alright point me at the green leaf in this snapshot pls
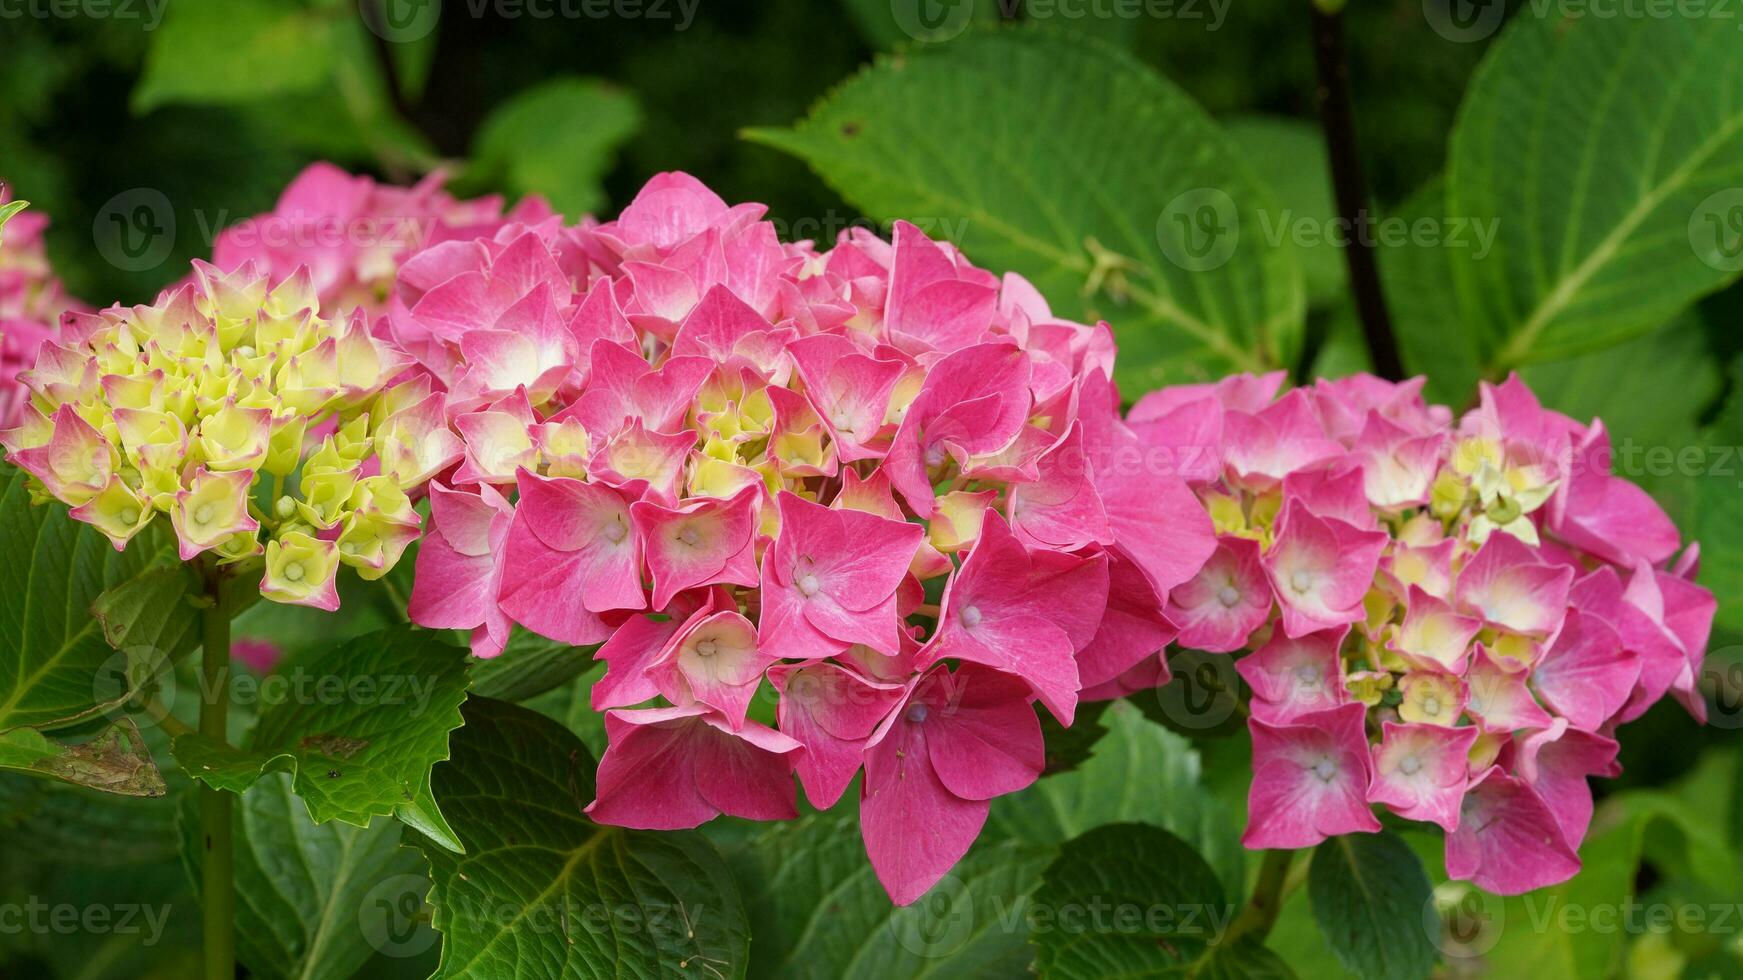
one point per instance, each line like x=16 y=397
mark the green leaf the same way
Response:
x=306 y=894
x=116 y=761
x=1369 y=894
x=529 y=666
x=1416 y=274
x=1608 y=149
x=52 y=648
x=1718 y=515
x=1068 y=748
x=986 y=141
x=1290 y=157
x=1126 y=900
x=583 y=900
x=1651 y=393
x=558 y=139
x=152 y=611
x=228 y=51
x=817 y=910
x=1533 y=935
x=1141 y=771
x=423 y=816
x=1243 y=959
x=358 y=725
x=572 y=706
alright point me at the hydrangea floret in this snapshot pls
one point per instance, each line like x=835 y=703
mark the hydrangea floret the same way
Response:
x=32 y=301
x=265 y=433
x=893 y=486
x=352 y=232
x=1447 y=618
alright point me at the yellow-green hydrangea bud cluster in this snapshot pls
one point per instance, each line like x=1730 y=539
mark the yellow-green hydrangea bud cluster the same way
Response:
x=261 y=429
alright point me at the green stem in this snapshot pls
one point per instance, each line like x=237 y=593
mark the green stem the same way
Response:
x=1267 y=901
x=218 y=867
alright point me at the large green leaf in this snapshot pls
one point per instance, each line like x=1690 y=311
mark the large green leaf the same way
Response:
x=115 y=761
x=305 y=894
x=1718 y=515
x=1289 y=155
x=1141 y=211
x=529 y=666
x=1416 y=273
x=1610 y=148
x=210 y=51
x=52 y=648
x=1127 y=900
x=358 y=726
x=1577 y=929
x=1369 y=896
x=817 y=910
x=1651 y=393
x=542 y=892
x=1140 y=771
x=557 y=139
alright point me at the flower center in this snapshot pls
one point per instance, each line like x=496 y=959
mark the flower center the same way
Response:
x=690 y=536
x=1228 y=595
x=917 y=713
x=1307 y=675
x=808 y=584
x=1410 y=765
x=203 y=514
x=293 y=572
x=615 y=532
x=1325 y=769
x=705 y=648
x=843 y=422
x=130 y=515
x=1431 y=705
x=1301 y=581
x=971 y=616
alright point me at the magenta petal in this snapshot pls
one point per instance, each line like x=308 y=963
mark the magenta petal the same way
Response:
x=915 y=829
x=986 y=741
x=676 y=768
x=1310 y=780
x=1586 y=674
x=1420 y=771
x=1508 y=841
x=831 y=711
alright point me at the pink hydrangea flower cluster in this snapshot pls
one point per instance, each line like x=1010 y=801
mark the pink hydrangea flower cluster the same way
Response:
x=352 y=232
x=892 y=485
x=1447 y=618
x=32 y=302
